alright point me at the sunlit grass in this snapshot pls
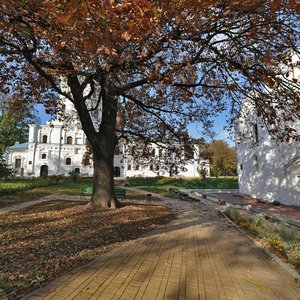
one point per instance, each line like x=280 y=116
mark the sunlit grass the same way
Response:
x=162 y=185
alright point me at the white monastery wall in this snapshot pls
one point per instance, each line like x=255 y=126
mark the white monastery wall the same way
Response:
x=268 y=169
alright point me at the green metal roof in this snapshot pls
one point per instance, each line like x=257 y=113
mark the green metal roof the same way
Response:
x=18 y=146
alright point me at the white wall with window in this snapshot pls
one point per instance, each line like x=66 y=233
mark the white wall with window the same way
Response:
x=268 y=169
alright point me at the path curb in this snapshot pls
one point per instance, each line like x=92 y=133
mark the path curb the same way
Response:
x=246 y=207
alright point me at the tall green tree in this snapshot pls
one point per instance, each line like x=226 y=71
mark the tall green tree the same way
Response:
x=15 y=115
x=222 y=158
x=152 y=66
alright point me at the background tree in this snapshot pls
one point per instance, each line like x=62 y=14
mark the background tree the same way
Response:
x=14 y=119
x=15 y=115
x=151 y=66
x=222 y=158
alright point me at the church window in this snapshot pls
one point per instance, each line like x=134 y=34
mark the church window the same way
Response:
x=160 y=153
x=44 y=156
x=137 y=167
x=68 y=161
x=255 y=163
x=157 y=168
x=17 y=163
x=69 y=140
x=151 y=168
x=30 y=162
x=44 y=139
x=129 y=167
x=255 y=133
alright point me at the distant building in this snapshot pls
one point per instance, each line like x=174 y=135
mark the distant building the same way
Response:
x=55 y=148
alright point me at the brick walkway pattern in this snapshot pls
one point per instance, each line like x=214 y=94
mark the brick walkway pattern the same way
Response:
x=199 y=255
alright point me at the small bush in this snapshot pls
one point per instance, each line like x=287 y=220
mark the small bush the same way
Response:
x=233 y=214
x=286 y=233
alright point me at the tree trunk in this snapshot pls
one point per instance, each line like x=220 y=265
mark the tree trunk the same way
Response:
x=103 y=185
x=102 y=140
x=103 y=157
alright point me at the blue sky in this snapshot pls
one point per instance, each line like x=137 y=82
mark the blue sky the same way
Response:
x=194 y=129
x=221 y=133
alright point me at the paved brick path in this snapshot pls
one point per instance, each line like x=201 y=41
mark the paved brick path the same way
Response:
x=199 y=255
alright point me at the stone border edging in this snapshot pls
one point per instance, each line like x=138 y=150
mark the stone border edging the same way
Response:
x=275 y=258
x=247 y=207
x=221 y=202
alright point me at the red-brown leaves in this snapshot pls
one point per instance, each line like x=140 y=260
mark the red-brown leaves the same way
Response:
x=42 y=242
x=191 y=55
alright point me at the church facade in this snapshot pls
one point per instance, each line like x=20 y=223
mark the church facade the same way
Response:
x=54 y=149
x=58 y=148
x=268 y=169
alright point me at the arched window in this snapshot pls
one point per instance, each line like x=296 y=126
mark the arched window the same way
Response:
x=129 y=167
x=69 y=140
x=77 y=171
x=255 y=133
x=255 y=163
x=117 y=171
x=44 y=156
x=151 y=167
x=17 y=163
x=44 y=139
x=68 y=161
x=153 y=153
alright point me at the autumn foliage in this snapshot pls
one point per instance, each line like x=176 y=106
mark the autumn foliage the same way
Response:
x=152 y=67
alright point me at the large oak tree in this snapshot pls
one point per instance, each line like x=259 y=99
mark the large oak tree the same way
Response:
x=152 y=66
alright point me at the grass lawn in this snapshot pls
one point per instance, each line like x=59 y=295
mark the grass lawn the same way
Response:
x=133 y=195
x=44 y=241
x=66 y=186
x=19 y=191
x=162 y=185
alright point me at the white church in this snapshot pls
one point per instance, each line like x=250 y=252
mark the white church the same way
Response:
x=58 y=148
x=268 y=170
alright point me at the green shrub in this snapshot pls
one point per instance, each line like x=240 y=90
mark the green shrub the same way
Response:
x=286 y=233
x=233 y=214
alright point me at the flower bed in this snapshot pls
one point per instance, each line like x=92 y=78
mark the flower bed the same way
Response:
x=277 y=237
